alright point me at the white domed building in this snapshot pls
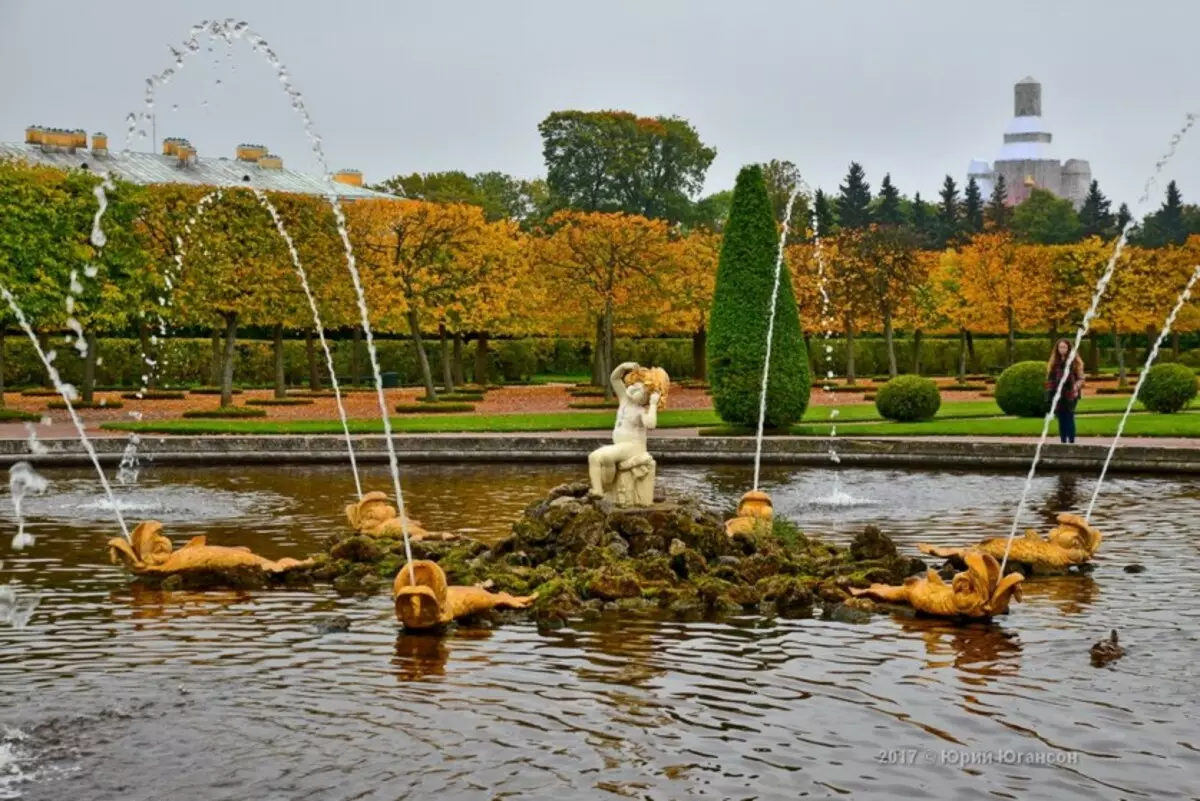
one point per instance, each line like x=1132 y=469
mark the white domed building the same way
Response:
x=1026 y=159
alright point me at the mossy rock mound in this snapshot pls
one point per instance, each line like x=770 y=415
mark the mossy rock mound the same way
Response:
x=583 y=557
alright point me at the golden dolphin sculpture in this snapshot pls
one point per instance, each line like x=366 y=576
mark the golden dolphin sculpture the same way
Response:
x=977 y=592
x=375 y=517
x=1072 y=542
x=424 y=601
x=148 y=552
x=754 y=513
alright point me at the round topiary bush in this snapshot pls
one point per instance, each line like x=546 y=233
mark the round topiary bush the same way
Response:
x=907 y=398
x=1021 y=390
x=1167 y=388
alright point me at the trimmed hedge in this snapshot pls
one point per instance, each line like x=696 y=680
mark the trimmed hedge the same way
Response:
x=226 y=412
x=594 y=404
x=1168 y=388
x=738 y=324
x=82 y=404
x=470 y=397
x=908 y=398
x=154 y=395
x=16 y=414
x=965 y=387
x=1021 y=390
x=1114 y=390
x=280 y=402
x=433 y=408
x=211 y=391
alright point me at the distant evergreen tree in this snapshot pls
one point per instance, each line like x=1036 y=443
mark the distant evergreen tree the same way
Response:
x=924 y=224
x=1123 y=217
x=854 y=199
x=998 y=214
x=1165 y=226
x=1095 y=216
x=889 y=211
x=826 y=224
x=949 y=223
x=972 y=207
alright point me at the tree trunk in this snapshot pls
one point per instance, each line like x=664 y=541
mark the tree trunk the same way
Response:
x=1151 y=337
x=89 y=367
x=962 y=355
x=280 y=378
x=851 y=369
x=414 y=326
x=890 y=340
x=3 y=331
x=1053 y=331
x=481 y=359
x=598 y=377
x=1012 y=337
x=314 y=373
x=1174 y=351
x=227 y=360
x=216 y=358
x=355 y=351
x=918 y=346
x=447 y=371
x=700 y=354
x=460 y=376
x=148 y=352
x=44 y=341
x=1093 y=357
x=971 y=351
x=1121 y=382
x=606 y=363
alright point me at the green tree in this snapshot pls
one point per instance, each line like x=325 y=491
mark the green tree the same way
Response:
x=1124 y=215
x=1095 y=216
x=949 y=225
x=924 y=223
x=854 y=199
x=782 y=178
x=999 y=216
x=615 y=161
x=1044 y=219
x=972 y=207
x=1167 y=225
x=826 y=222
x=888 y=210
x=501 y=196
x=738 y=336
x=711 y=211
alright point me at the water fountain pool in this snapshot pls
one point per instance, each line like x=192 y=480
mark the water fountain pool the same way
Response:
x=239 y=697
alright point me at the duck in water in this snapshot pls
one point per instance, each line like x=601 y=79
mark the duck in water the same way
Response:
x=1107 y=651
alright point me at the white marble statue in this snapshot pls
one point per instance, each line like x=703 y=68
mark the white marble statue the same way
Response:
x=624 y=472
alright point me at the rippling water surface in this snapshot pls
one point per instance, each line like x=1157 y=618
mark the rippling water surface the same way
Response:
x=111 y=692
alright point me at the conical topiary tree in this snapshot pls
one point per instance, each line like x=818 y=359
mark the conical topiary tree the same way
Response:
x=737 y=339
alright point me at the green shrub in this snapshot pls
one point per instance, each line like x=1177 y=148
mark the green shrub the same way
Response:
x=738 y=329
x=17 y=414
x=280 y=402
x=1021 y=390
x=593 y=404
x=1114 y=390
x=1167 y=388
x=433 y=408
x=226 y=412
x=965 y=387
x=452 y=396
x=212 y=391
x=82 y=404
x=154 y=395
x=907 y=398
x=39 y=392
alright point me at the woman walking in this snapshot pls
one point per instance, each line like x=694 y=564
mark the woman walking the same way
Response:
x=1071 y=391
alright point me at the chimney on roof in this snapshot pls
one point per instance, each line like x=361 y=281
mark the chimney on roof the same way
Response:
x=185 y=152
x=251 y=153
x=33 y=134
x=100 y=144
x=171 y=145
x=270 y=162
x=348 y=177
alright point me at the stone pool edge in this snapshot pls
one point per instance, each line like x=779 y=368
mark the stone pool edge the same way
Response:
x=573 y=448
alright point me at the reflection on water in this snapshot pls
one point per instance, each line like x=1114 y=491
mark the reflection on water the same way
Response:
x=114 y=691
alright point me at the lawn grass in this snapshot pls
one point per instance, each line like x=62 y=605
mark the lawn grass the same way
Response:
x=1139 y=425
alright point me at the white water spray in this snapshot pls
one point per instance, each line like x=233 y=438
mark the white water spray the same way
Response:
x=67 y=396
x=762 y=402
x=23 y=481
x=1083 y=329
x=1184 y=296
x=827 y=327
x=312 y=304
x=231 y=30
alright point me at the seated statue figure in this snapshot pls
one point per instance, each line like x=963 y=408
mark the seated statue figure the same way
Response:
x=424 y=601
x=623 y=472
x=375 y=517
x=148 y=552
x=1073 y=541
x=977 y=592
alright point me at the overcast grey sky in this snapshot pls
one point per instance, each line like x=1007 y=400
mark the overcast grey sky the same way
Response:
x=914 y=87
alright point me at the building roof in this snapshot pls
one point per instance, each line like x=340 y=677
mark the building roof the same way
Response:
x=1026 y=151
x=151 y=168
x=1027 y=125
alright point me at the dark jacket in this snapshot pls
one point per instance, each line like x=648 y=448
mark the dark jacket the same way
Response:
x=1070 y=395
